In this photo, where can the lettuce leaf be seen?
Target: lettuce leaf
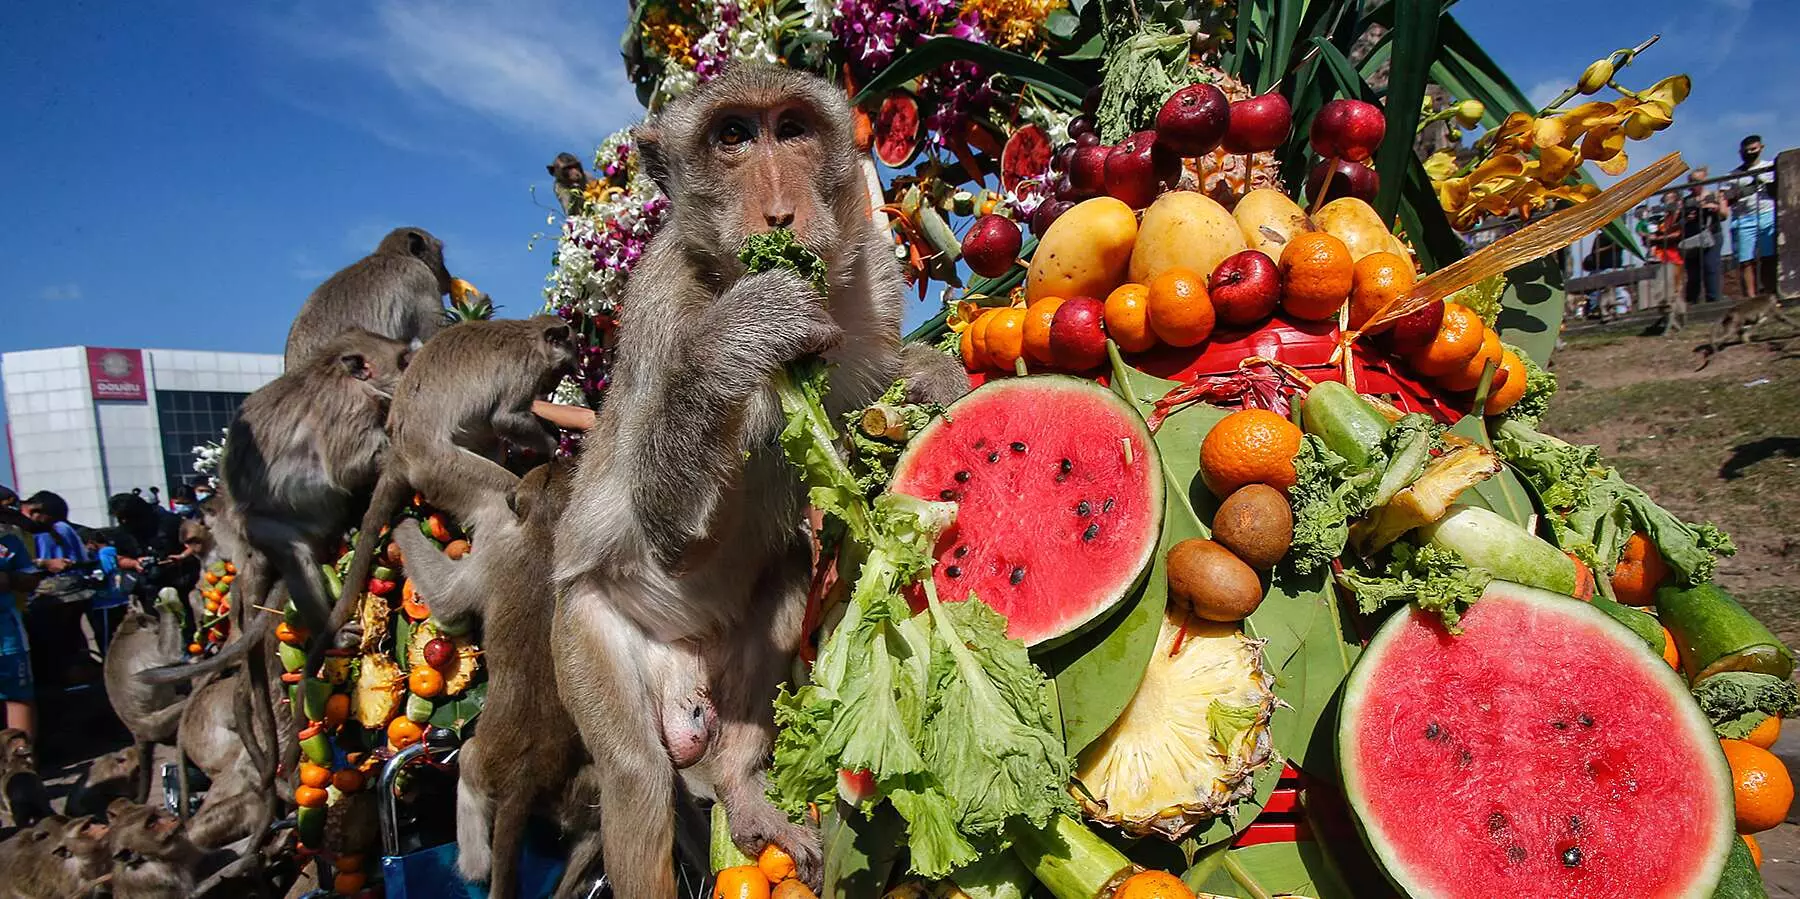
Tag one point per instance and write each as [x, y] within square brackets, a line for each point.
[1432, 578]
[1540, 388]
[780, 249]
[1325, 496]
[1737, 701]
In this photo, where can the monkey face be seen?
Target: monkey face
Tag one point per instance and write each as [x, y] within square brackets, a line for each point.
[557, 342]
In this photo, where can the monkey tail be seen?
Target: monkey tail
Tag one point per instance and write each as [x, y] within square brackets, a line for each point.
[508, 836]
[229, 656]
[390, 491]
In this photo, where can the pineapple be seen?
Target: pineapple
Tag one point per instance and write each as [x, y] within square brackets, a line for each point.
[1226, 177]
[380, 691]
[467, 303]
[457, 679]
[1188, 744]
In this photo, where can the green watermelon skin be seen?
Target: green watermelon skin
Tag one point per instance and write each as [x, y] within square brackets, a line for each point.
[1545, 751]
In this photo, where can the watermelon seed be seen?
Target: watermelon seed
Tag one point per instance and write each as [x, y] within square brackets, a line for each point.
[1066, 466]
[962, 551]
[1575, 823]
[1018, 447]
[1093, 530]
[962, 477]
[1433, 731]
[1585, 720]
[1465, 758]
[1496, 822]
[1083, 509]
[946, 494]
[1107, 506]
[953, 571]
[1515, 854]
[1571, 857]
[1018, 574]
[993, 457]
[1560, 724]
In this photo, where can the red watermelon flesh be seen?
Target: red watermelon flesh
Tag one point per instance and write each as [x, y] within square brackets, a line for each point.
[1026, 155]
[1545, 751]
[1056, 521]
[897, 130]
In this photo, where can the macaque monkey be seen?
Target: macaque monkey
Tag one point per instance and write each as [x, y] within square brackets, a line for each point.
[23, 799]
[570, 178]
[149, 711]
[464, 396]
[1744, 318]
[152, 855]
[56, 858]
[396, 291]
[684, 550]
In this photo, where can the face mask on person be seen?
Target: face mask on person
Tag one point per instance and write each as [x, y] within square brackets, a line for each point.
[201, 496]
[183, 508]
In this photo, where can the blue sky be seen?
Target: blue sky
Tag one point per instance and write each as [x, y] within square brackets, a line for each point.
[181, 175]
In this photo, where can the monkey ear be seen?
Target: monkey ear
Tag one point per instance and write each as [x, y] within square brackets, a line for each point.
[654, 156]
[355, 366]
[557, 333]
[406, 358]
[416, 243]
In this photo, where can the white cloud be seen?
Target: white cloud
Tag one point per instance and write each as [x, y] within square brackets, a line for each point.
[1544, 91]
[60, 293]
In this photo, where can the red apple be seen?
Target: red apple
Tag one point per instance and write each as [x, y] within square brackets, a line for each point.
[1088, 172]
[1258, 124]
[1047, 212]
[992, 245]
[1349, 179]
[1193, 121]
[1348, 129]
[1132, 173]
[1078, 335]
[439, 653]
[1414, 331]
[1245, 288]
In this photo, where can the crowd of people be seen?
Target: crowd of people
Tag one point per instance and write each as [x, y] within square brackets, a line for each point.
[57, 576]
[1686, 234]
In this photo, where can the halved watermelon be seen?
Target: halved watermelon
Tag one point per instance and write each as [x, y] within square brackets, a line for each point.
[1545, 751]
[897, 130]
[1026, 155]
[1059, 501]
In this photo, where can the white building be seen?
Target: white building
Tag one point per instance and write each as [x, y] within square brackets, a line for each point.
[89, 422]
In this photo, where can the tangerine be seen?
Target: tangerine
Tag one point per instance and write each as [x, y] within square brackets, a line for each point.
[337, 709]
[1765, 733]
[1671, 653]
[1153, 885]
[1469, 376]
[1755, 850]
[1762, 788]
[1458, 339]
[1317, 273]
[310, 797]
[776, 864]
[425, 681]
[979, 343]
[1180, 312]
[1506, 392]
[194, 649]
[1251, 446]
[348, 780]
[1037, 329]
[349, 882]
[1640, 571]
[1006, 339]
[1128, 318]
[316, 776]
[348, 863]
[403, 732]
[1379, 278]
[741, 882]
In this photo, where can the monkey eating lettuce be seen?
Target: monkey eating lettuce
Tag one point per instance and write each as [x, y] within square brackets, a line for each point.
[925, 702]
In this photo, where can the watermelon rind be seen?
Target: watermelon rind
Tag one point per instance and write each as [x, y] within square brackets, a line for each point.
[1719, 833]
[1127, 414]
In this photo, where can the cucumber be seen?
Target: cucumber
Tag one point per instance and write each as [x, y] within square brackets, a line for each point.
[1510, 553]
[313, 695]
[333, 580]
[418, 708]
[292, 657]
[1071, 861]
[310, 822]
[1741, 880]
[382, 573]
[1346, 422]
[1715, 634]
[724, 853]
[1641, 623]
[315, 746]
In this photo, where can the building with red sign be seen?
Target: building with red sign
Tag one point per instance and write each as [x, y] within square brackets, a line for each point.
[89, 422]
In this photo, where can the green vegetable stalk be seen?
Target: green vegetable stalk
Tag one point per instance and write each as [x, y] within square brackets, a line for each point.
[1714, 634]
[723, 851]
[1070, 860]
[1506, 551]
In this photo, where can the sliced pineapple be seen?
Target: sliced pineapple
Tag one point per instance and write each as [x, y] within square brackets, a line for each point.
[373, 615]
[380, 689]
[1189, 742]
[468, 657]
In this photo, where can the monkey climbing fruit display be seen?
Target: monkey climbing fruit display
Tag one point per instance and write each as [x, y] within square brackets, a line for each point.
[1059, 497]
[1538, 689]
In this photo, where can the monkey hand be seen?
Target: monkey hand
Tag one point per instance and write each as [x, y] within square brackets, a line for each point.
[770, 318]
[755, 824]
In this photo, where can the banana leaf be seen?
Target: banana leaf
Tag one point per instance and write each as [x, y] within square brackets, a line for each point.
[1531, 310]
[933, 328]
[1503, 493]
[940, 50]
[1414, 35]
[1269, 869]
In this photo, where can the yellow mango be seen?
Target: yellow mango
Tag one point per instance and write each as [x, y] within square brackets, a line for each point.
[1085, 253]
[1184, 229]
[1269, 220]
[1356, 224]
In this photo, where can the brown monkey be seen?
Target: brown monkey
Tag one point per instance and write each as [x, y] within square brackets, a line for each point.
[149, 711]
[55, 859]
[152, 855]
[1744, 318]
[107, 779]
[685, 525]
[300, 454]
[464, 396]
[571, 178]
[23, 799]
[396, 291]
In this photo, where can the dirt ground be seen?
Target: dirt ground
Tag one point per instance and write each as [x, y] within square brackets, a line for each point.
[1719, 444]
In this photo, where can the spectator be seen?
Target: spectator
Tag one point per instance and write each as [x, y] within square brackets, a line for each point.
[18, 579]
[1753, 217]
[54, 618]
[152, 535]
[117, 583]
[183, 502]
[1664, 241]
[1702, 211]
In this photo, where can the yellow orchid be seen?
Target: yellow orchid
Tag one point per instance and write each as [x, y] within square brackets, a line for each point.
[1013, 23]
[599, 191]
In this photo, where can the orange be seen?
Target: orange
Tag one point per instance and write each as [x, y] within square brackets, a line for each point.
[1251, 446]
[456, 549]
[440, 530]
[1037, 329]
[315, 775]
[194, 649]
[1458, 339]
[310, 797]
[1763, 789]
[741, 882]
[349, 882]
[425, 681]
[1671, 653]
[978, 344]
[403, 732]
[230, 568]
[1317, 273]
[412, 604]
[1506, 392]
[1006, 339]
[348, 863]
[348, 780]
[1378, 279]
[211, 578]
[227, 579]
[1766, 733]
[792, 889]
[337, 708]
[1180, 312]
[775, 863]
[1153, 885]
[1469, 376]
[1755, 850]
[1641, 570]
[1128, 318]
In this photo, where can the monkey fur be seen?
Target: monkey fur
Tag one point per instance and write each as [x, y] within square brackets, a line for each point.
[149, 711]
[152, 857]
[56, 858]
[685, 534]
[1742, 321]
[464, 396]
[23, 799]
[396, 291]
